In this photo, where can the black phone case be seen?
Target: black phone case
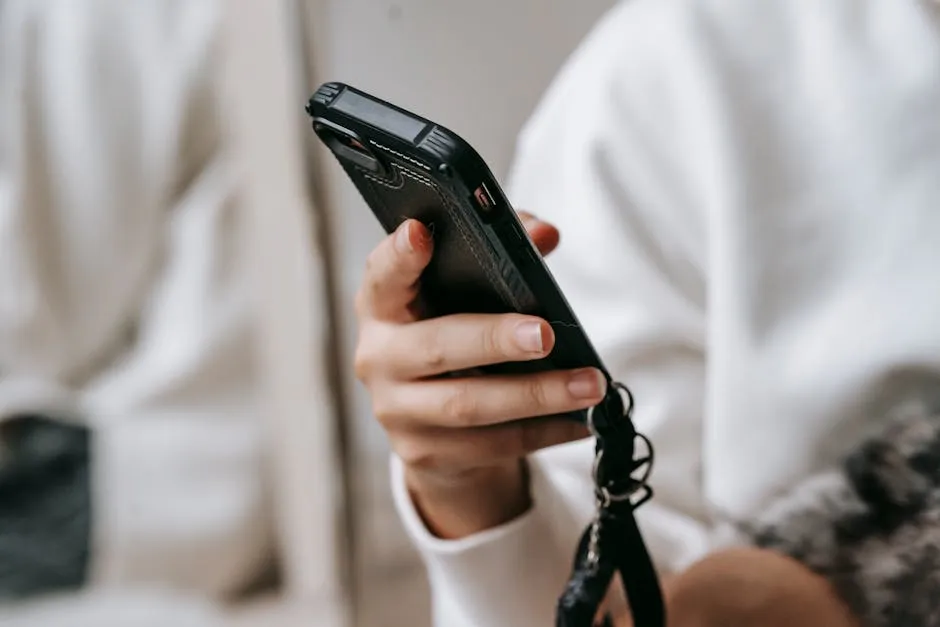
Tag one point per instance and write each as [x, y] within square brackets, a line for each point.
[484, 261]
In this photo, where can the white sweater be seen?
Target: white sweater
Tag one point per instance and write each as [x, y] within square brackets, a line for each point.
[749, 200]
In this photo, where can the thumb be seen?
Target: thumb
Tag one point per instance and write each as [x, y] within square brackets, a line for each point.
[393, 268]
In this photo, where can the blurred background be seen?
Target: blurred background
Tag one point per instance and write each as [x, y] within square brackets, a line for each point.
[162, 203]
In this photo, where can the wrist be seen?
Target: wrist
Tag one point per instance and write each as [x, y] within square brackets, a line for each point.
[457, 505]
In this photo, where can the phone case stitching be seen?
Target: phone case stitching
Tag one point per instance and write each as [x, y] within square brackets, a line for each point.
[460, 227]
[401, 156]
[426, 181]
[383, 182]
[409, 174]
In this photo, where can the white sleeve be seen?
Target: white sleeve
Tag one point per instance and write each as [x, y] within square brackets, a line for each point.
[509, 575]
[600, 159]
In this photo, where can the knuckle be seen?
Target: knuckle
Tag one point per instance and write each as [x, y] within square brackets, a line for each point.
[415, 454]
[492, 338]
[460, 408]
[434, 357]
[433, 353]
[536, 392]
[367, 355]
[363, 363]
[383, 409]
[371, 285]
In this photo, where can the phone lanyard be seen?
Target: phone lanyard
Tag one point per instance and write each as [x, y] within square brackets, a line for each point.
[612, 543]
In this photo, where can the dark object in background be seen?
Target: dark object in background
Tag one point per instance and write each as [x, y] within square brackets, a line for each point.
[45, 507]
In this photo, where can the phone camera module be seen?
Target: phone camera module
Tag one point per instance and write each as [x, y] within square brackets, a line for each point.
[347, 147]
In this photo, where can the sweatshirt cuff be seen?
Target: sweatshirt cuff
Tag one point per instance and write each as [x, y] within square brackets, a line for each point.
[508, 575]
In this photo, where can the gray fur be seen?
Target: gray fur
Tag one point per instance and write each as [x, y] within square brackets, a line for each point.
[871, 527]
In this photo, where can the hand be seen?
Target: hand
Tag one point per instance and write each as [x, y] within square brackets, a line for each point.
[463, 439]
[752, 588]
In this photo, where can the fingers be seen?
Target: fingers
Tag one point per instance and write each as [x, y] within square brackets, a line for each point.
[432, 449]
[394, 267]
[473, 402]
[471, 420]
[544, 235]
[392, 272]
[452, 343]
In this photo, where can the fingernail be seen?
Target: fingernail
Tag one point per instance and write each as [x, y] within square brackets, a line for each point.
[529, 337]
[403, 239]
[423, 236]
[587, 383]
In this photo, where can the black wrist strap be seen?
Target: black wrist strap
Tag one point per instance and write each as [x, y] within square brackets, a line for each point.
[612, 543]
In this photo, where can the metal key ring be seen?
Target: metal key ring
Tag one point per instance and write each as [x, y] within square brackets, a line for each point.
[645, 462]
[606, 496]
[636, 484]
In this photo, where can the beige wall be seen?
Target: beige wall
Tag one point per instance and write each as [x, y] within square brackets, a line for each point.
[260, 86]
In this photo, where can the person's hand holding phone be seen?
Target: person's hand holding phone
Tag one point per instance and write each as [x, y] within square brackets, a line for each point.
[463, 439]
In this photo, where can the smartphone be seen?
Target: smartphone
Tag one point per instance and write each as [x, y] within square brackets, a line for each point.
[405, 167]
